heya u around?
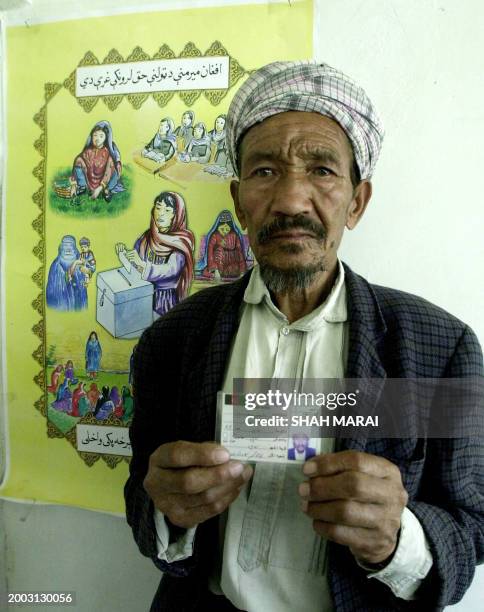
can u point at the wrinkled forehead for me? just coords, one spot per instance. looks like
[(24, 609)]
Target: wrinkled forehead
[(309, 133)]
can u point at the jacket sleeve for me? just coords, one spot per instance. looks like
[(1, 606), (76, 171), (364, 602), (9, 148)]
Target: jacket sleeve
[(153, 424), (450, 503)]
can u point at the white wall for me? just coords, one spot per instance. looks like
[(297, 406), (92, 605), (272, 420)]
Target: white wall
[(421, 61), (55, 548)]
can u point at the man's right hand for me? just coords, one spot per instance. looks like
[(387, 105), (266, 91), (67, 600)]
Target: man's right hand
[(191, 482)]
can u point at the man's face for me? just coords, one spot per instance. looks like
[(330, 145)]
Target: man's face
[(84, 248), (98, 138), (163, 216), (219, 124), (300, 443), (198, 132), (186, 119), (295, 194)]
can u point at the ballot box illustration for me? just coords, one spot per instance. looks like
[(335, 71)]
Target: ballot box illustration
[(124, 302)]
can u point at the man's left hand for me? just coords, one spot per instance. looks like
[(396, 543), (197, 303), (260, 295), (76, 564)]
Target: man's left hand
[(355, 499)]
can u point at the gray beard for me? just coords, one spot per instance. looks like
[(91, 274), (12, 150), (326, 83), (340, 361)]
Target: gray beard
[(280, 280)]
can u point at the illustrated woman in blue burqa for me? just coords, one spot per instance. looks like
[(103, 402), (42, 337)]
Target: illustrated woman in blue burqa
[(65, 284), (93, 355)]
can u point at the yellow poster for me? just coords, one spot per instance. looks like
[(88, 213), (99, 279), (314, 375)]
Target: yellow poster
[(117, 208)]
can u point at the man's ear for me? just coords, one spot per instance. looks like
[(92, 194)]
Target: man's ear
[(357, 207), (234, 192)]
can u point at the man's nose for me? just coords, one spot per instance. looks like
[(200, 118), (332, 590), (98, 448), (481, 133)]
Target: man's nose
[(292, 194)]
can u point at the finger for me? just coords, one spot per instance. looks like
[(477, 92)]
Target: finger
[(349, 513), (365, 544), (191, 481), (327, 464), (350, 485), (342, 534), (191, 517), (187, 454), (212, 494)]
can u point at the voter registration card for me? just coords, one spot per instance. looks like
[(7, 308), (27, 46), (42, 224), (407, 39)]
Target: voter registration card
[(282, 444)]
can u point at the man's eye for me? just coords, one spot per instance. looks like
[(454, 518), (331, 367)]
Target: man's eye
[(263, 172), (322, 171)]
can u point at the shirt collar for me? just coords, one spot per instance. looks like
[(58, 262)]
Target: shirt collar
[(332, 310)]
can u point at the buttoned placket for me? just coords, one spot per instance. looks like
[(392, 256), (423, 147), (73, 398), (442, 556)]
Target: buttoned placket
[(274, 486)]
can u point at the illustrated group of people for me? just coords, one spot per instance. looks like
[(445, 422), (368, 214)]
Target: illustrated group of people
[(164, 253), (191, 141), (80, 400), (97, 169), (101, 404)]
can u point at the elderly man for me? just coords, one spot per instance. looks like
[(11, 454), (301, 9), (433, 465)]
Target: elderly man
[(366, 525)]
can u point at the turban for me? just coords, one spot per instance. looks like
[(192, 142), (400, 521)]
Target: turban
[(311, 87)]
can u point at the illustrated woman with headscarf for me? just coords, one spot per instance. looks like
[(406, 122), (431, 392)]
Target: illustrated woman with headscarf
[(63, 400), (162, 146), (66, 288), (97, 169), (79, 394), (224, 256), (221, 165), (217, 137), (93, 354), (54, 379), (104, 406), (163, 254), (198, 150), (185, 130)]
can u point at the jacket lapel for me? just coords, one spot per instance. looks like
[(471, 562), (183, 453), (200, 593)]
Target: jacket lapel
[(366, 330), (208, 373)]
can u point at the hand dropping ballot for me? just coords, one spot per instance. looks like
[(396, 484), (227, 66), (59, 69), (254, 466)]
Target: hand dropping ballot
[(124, 304), (273, 440)]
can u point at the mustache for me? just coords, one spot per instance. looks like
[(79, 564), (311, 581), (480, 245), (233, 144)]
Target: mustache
[(280, 224)]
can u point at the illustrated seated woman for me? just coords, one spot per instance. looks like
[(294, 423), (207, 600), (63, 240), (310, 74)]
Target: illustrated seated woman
[(220, 165), (97, 169), (199, 148), (223, 257), (162, 147), (184, 132)]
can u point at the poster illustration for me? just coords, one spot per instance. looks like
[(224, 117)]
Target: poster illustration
[(117, 157), (137, 278)]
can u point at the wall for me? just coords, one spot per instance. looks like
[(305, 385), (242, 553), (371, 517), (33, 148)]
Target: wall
[(421, 61), (66, 549)]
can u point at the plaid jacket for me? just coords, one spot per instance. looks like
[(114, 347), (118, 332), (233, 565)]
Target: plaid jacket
[(179, 367)]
